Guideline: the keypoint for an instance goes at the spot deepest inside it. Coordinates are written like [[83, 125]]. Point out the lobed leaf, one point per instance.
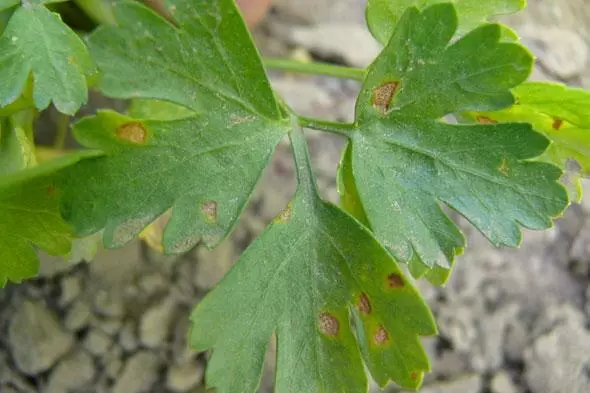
[[383, 15], [406, 162], [330, 292], [560, 113], [203, 161], [36, 42], [30, 219]]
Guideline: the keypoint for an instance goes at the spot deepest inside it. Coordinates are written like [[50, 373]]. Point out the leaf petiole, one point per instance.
[[316, 68], [333, 127]]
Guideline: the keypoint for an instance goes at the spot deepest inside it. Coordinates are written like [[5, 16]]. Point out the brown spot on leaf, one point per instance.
[[503, 168], [364, 304], [134, 132], [51, 190], [185, 244], [381, 336], [235, 120], [415, 375], [557, 123], [126, 231], [485, 120], [328, 324], [395, 281], [209, 210], [284, 216], [383, 95]]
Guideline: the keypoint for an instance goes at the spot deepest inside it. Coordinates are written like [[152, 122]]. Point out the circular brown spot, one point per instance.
[[557, 123], [209, 209], [415, 376], [395, 281], [381, 336], [328, 324], [134, 132], [364, 304], [383, 95], [485, 120]]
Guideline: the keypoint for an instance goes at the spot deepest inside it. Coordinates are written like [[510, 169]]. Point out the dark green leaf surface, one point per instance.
[[313, 270], [383, 15], [561, 113], [202, 162], [29, 218], [406, 162], [37, 42]]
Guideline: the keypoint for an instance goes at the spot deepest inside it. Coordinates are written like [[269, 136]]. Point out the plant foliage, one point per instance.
[[328, 282]]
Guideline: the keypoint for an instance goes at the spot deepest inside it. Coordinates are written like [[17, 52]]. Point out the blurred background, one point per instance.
[[511, 321]]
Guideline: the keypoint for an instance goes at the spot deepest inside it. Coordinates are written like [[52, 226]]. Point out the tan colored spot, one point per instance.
[[235, 120], [395, 281], [485, 120], [209, 210], [364, 304], [383, 95], [134, 132], [557, 123], [381, 336], [328, 324], [284, 216], [185, 244], [503, 168], [415, 376], [129, 230]]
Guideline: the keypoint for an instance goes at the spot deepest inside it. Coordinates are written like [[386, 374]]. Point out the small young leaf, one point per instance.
[[37, 41], [406, 161], [561, 113], [203, 162], [29, 217], [305, 278], [383, 15]]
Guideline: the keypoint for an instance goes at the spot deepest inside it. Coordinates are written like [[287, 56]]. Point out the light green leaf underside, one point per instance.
[[37, 42], [383, 15], [406, 162], [16, 149], [302, 280], [30, 219], [202, 160], [560, 113]]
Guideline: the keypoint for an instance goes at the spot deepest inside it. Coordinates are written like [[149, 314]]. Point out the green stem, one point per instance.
[[62, 125], [316, 68], [345, 129], [305, 178]]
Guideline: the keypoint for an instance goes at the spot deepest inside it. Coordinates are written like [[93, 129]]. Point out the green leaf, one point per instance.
[[407, 161], [37, 42], [29, 218], [203, 163], [311, 273], [560, 113], [383, 15], [17, 151]]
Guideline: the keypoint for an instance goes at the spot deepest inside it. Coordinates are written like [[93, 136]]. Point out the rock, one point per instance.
[[127, 337], [580, 252], [155, 323], [562, 51], [116, 269], [213, 264], [36, 339], [71, 287], [353, 43], [304, 95], [314, 11], [502, 383], [112, 362], [78, 316], [556, 361], [97, 342], [153, 284], [182, 378], [52, 266], [73, 372], [109, 326], [465, 384], [139, 373], [109, 304]]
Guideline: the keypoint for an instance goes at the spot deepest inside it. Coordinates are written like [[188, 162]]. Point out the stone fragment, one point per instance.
[[78, 316], [97, 342], [502, 383], [71, 287], [463, 384], [127, 337], [213, 264], [109, 304], [155, 323], [184, 377], [36, 339], [139, 373], [73, 372]]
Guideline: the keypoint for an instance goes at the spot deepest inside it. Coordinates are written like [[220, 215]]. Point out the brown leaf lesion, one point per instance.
[[133, 131], [383, 96]]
